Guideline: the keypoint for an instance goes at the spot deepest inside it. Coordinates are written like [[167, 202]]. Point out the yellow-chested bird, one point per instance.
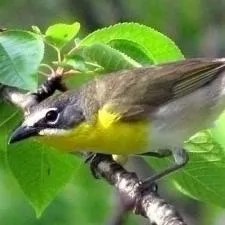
[[145, 110]]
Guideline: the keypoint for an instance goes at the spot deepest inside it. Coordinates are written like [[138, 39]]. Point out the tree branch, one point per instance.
[[146, 203]]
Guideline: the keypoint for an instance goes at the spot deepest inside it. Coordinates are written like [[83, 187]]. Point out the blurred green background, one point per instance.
[[198, 29]]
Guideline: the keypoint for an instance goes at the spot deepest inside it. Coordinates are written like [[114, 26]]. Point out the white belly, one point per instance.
[[175, 122]]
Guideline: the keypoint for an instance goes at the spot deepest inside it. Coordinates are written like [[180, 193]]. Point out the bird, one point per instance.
[[150, 110]]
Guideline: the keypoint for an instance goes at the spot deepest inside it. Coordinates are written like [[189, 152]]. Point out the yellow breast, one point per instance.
[[107, 135]]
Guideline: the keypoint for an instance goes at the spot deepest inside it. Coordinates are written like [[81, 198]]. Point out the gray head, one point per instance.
[[53, 116]]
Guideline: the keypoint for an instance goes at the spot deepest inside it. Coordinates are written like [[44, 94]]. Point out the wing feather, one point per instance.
[[195, 81], [135, 93]]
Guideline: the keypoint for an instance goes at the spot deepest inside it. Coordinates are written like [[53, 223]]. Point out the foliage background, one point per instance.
[[198, 29]]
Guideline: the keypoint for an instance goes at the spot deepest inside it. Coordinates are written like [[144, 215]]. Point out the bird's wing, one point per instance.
[[202, 73], [136, 92]]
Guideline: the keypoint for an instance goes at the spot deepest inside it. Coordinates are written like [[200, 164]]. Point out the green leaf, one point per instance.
[[157, 46], [78, 80], [134, 50], [9, 117], [61, 34], [41, 171], [110, 59], [77, 62], [219, 130], [203, 177], [20, 55], [92, 198]]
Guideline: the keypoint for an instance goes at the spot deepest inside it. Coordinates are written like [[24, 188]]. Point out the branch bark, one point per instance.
[[142, 202]]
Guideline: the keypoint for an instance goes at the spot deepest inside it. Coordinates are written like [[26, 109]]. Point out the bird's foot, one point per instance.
[[146, 186], [93, 159]]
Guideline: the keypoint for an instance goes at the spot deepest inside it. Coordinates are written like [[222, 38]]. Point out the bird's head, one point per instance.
[[55, 116]]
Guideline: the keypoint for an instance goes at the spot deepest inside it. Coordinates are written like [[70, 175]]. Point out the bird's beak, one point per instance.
[[23, 132]]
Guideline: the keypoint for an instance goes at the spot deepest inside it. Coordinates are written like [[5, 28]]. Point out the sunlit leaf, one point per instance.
[[76, 62], [110, 59], [133, 49], [155, 45], [9, 117], [203, 177], [20, 55], [61, 34], [218, 131], [41, 171]]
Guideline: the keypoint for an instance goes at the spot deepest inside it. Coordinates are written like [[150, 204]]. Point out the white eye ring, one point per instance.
[[52, 116]]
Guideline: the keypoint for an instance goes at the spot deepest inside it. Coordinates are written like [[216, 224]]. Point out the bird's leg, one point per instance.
[[180, 157], [161, 154], [89, 156], [91, 160]]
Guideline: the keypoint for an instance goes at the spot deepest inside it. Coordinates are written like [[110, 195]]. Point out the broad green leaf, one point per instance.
[[203, 177], [78, 80], [218, 131], [87, 70], [93, 200], [158, 47], [8, 119], [133, 50], [110, 59], [20, 55], [41, 171], [76, 62], [61, 34]]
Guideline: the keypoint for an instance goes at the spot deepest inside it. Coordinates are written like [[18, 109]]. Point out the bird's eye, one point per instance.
[[51, 116]]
